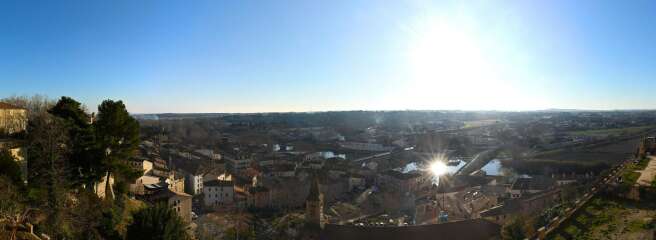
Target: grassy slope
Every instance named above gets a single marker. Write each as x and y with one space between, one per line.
605 218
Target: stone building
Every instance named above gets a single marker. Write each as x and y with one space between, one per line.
218 193
178 201
12 119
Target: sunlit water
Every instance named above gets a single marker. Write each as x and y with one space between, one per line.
493 168
413 166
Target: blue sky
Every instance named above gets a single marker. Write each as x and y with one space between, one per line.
253 56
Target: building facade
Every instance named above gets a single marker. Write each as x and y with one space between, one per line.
12 119
179 202
194 184
218 193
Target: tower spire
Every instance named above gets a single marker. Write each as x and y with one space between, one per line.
314 220
315 191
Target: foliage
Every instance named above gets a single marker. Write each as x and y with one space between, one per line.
71 110
117 135
65 153
47 164
116 130
84 155
157 222
13 210
9 167
519 227
85 217
242 234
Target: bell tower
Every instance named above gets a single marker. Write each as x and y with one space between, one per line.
314 206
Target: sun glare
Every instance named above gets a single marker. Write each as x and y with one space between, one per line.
446 63
438 168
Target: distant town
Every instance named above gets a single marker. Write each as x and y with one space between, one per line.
326 175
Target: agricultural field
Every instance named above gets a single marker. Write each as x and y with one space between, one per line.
610 153
579 160
480 123
611 132
609 218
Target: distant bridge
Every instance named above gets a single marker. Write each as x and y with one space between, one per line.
479 161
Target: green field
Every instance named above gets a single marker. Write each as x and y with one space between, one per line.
480 123
610 153
611 131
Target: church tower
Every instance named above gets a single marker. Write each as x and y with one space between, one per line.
314 206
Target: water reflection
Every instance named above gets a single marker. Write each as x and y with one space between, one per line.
450 169
493 168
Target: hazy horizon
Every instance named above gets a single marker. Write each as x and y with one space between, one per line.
248 57
400 110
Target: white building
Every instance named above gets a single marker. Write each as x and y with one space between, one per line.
194 184
217 193
138 186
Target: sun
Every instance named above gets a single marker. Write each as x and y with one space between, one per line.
446 61
438 168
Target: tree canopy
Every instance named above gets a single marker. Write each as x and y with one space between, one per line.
117 135
157 222
9 167
116 131
84 156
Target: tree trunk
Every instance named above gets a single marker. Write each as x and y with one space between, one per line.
109 190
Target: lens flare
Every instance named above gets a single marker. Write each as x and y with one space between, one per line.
438 168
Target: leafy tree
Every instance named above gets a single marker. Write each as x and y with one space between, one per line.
85 165
156 222
9 167
71 110
117 134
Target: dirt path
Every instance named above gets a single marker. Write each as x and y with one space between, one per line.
647 175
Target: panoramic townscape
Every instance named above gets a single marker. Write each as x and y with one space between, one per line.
327 120
69 173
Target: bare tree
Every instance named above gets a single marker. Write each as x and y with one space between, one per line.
33 104
14 215
47 148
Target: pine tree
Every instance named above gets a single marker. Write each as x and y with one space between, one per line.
85 166
117 134
157 222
